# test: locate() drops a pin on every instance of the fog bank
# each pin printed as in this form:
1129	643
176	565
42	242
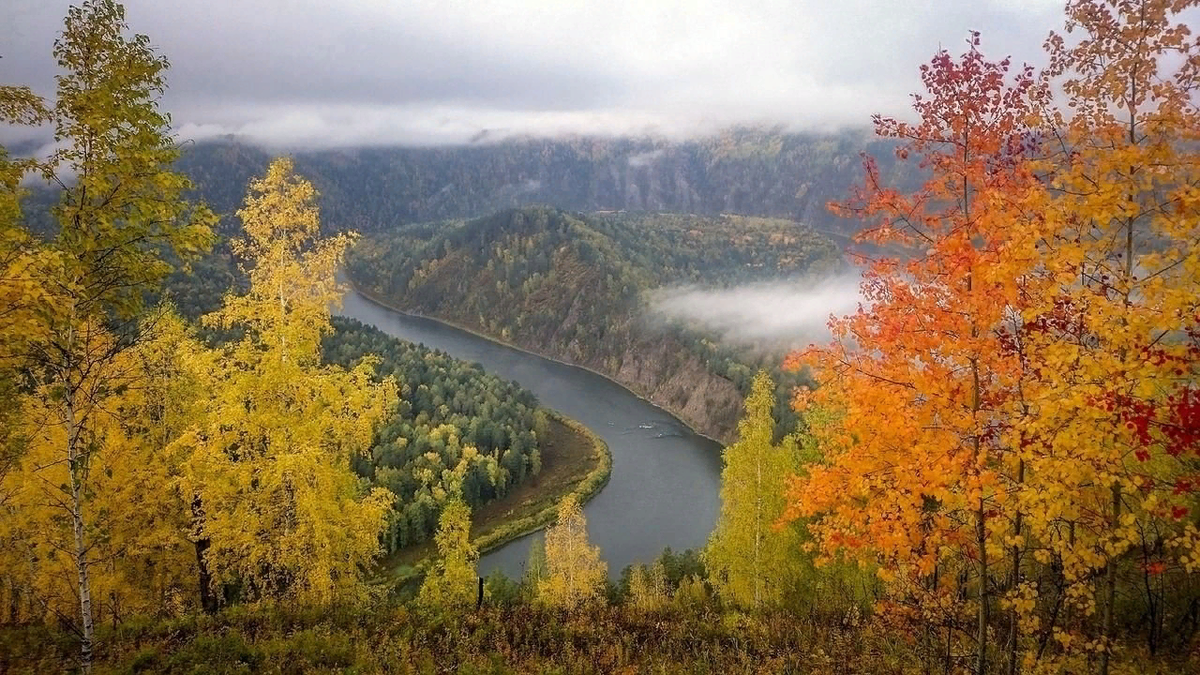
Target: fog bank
783	313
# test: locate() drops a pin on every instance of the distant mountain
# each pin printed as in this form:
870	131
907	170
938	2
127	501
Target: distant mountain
746	171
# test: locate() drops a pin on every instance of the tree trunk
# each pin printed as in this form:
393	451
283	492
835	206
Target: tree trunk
208	600
76	463
14	602
982	617
1014	633
758	532
1110	586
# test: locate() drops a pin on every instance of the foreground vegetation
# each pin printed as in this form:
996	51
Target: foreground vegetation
689	634
523	639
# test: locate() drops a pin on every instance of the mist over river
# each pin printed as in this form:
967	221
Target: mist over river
664	488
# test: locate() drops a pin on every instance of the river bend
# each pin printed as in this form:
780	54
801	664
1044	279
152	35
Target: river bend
664	488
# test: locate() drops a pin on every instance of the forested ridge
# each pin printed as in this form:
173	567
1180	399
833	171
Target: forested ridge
574	286
747	171
994	464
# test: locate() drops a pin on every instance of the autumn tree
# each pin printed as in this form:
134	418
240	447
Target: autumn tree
648	587
140	561
1112	427
575	574
26	266
751	562
451	584
535	567
122	212
917	381
276	510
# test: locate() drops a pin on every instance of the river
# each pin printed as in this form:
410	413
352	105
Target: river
665	483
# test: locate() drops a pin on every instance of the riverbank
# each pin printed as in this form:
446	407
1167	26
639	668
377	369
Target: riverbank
574	461
377	300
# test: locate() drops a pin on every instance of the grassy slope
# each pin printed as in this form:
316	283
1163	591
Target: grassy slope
391	638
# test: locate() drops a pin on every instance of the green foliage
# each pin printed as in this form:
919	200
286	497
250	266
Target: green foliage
454	425
500	591
751	562
535	565
587	488
125	205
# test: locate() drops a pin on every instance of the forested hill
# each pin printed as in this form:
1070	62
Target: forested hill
572	286
745	171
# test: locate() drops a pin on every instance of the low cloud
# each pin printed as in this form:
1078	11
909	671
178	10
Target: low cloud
326	126
644	158
784	313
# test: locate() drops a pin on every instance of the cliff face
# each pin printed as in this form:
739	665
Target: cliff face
655	365
707	402
572	287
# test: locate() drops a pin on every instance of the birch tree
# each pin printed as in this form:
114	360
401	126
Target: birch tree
451	583
750	562
121	216
575	573
276	509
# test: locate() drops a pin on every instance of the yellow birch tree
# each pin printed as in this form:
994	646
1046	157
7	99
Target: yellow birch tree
451	584
277	511
122	211
575	573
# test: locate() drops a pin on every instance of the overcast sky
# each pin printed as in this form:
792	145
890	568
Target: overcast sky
349	72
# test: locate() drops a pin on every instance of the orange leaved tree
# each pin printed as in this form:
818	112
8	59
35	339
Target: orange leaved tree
914	476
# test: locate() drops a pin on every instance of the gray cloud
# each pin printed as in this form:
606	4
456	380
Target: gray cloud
302	72
786	313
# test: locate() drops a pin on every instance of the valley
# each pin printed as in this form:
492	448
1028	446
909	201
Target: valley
575	287
662	490
596	338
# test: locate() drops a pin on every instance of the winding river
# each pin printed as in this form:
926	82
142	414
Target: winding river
664	488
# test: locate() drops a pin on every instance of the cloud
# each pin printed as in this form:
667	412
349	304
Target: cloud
644	158
787	313
439	71
342	125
